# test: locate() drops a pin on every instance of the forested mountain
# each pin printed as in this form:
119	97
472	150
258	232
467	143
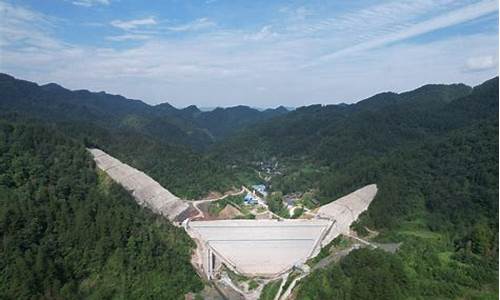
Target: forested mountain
333	133
161	140
433	153
68	232
188	126
223	121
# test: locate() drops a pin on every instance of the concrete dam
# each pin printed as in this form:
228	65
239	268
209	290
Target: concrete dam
266	248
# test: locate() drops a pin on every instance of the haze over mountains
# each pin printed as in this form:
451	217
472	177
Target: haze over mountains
432	151
188	125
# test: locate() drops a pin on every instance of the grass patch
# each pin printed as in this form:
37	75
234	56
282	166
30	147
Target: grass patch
245	217
270	290
445	257
418	228
289	280
307	200
297	212
339	243
252	285
359	229
425	234
261	209
216	207
236	277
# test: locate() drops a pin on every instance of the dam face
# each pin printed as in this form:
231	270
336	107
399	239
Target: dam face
260	247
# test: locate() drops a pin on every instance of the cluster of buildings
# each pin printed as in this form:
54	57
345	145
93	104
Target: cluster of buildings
260	189
253	197
250	199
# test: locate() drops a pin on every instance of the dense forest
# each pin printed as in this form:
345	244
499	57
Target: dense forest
69	233
187	126
441	201
161	140
433	153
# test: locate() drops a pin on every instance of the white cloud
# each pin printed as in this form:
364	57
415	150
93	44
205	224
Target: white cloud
481	63
128	37
264	33
133	24
454	17
197	24
89	3
25	28
225	67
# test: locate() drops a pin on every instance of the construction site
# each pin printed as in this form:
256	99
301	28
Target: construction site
243	255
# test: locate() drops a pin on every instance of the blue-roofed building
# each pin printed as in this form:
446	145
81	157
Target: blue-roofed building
250	199
260	188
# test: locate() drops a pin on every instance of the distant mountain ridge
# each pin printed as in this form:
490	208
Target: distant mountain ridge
433	153
189	125
377	123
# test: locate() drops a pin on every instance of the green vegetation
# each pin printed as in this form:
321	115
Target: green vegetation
364	274
339	242
297	212
238	279
68	234
216	207
433	153
307	200
252	285
270	290
184	172
161	140
298	177
275	204
294	274
237	201
359	229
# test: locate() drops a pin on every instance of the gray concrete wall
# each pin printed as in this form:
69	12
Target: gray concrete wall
145	190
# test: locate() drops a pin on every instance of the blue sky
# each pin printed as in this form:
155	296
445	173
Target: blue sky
258	53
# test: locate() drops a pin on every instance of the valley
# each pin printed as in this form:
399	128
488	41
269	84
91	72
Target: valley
272	204
263	248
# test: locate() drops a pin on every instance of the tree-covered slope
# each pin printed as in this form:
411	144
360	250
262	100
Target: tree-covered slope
336	133
67	233
433	153
55	103
440	198
161	140
188	126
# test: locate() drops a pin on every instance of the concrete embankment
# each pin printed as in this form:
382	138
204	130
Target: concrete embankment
145	190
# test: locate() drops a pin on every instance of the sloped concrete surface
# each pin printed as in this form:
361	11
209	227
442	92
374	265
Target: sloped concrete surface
344	211
261	247
145	190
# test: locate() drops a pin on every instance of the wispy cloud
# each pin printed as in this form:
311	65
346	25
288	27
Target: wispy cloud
206	63
481	63
198	24
128	37
89	3
133	24
265	32
22	27
454	17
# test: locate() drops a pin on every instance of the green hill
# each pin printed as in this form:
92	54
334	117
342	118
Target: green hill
433	153
68	232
